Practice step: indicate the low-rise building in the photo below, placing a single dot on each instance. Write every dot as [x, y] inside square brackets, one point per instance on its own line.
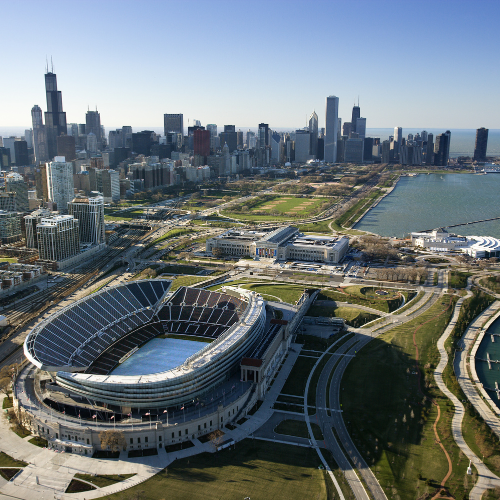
[280, 244]
[440, 240]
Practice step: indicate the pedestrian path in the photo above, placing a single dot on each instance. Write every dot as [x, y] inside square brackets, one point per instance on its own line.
[486, 478]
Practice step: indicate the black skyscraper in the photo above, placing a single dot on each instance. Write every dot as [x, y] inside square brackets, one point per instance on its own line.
[266, 127]
[356, 113]
[481, 144]
[21, 152]
[55, 117]
[442, 149]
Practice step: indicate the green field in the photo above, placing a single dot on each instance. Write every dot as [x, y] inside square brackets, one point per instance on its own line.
[390, 412]
[255, 469]
[10, 260]
[278, 208]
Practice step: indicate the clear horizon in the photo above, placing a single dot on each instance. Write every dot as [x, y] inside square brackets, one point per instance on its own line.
[225, 62]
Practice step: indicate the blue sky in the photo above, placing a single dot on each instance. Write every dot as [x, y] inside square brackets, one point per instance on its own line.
[413, 63]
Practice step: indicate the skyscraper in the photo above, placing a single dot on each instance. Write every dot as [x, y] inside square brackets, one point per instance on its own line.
[14, 183]
[264, 134]
[55, 117]
[173, 123]
[66, 147]
[58, 237]
[201, 142]
[21, 152]
[332, 123]
[61, 189]
[429, 151]
[356, 113]
[481, 144]
[30, 223]
[361, 127]
[313, 130]
[398, 137]
[93, 125]
[90, 215]
[442, 149]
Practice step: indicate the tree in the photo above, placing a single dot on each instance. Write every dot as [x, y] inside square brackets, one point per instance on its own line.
[6, 378]
[114, 440]
[217, 252]
[216, 438]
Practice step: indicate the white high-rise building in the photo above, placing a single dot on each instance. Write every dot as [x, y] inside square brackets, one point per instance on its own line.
[58, 237]
[313, 130]
[39, 135]
[60, 186]
[91, 143]
[332, 124]
[398, 136]
[90, 214]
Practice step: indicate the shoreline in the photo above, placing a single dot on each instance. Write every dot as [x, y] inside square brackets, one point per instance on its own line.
[472, 363]
[375, 203]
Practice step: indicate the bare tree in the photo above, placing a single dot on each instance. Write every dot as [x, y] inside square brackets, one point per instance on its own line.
[216, 438]
[114, 440]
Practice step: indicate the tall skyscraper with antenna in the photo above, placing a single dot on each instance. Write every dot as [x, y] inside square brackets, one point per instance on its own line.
[356, 113]
[55, 117]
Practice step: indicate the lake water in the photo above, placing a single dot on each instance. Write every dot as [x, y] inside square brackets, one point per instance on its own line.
[429, 201]
[486, 376]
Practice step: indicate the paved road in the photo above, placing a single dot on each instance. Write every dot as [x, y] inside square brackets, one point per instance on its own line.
[326, 423]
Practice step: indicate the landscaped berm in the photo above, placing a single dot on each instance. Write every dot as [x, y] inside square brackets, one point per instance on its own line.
[255, 469]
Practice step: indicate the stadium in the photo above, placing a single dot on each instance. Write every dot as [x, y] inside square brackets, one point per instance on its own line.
[162, 367]
[89, 343]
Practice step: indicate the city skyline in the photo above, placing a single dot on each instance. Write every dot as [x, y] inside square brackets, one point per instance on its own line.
[403, 96]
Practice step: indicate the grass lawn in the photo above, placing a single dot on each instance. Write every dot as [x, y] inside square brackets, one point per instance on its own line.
[316, 227]
[8, 461]
[367, 296]
[8, 473]
[389, 418]
[296, 382]
[101, 481]
[11, 260]
[186, 281]
[457, 279]
[78, 486]
[491, 283]
[38, 441]
[7, 402]
[255, 469]
[410, 303]
[298, 428]
[283, 208]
